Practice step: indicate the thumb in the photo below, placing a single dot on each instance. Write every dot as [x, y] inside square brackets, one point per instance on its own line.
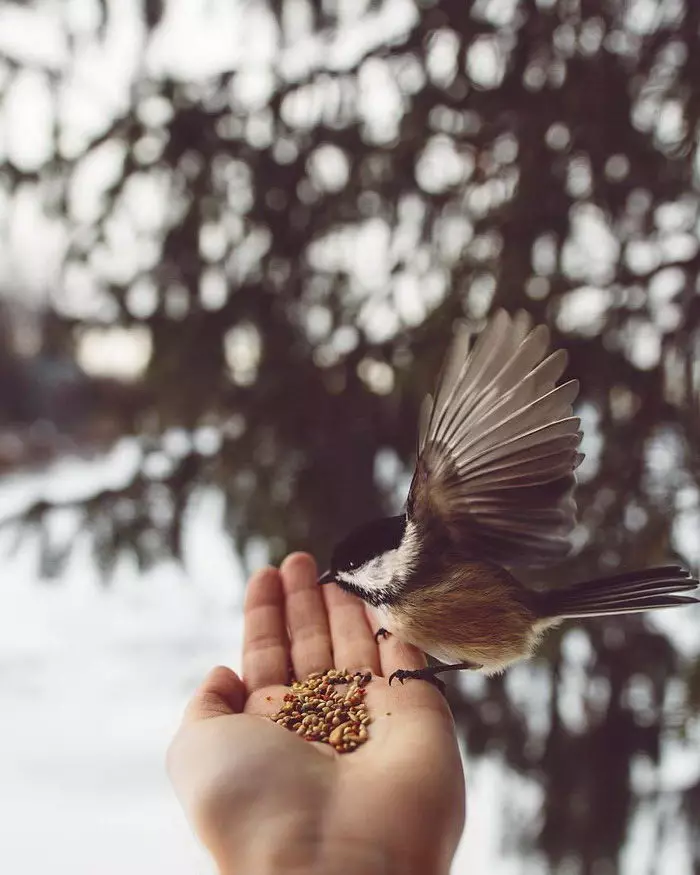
[221, 693]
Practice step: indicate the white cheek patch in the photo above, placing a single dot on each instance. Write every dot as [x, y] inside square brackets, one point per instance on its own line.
[373, 575]
[406, 557]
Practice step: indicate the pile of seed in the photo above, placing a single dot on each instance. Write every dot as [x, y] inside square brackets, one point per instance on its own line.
[319, 709]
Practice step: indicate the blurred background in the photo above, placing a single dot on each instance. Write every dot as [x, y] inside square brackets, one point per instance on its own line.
[234, 238]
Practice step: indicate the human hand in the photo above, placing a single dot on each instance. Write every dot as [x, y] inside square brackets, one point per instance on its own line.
[264, 800]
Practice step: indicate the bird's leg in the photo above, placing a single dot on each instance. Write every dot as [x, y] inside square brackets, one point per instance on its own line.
[381, 633]
[430, 672]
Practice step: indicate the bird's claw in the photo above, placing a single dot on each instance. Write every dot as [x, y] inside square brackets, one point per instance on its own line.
[402, 675]
[430, 673]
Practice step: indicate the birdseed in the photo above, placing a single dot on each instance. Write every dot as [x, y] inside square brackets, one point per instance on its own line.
[317, 709]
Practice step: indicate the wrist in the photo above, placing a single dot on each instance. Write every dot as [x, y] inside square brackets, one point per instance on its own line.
[314, 857]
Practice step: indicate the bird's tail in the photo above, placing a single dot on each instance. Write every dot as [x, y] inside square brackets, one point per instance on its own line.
[627, 593]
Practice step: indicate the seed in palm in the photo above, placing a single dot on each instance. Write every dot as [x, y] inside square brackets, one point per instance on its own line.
[318, 709]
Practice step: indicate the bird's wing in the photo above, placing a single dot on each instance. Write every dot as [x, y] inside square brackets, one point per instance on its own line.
[499, 445]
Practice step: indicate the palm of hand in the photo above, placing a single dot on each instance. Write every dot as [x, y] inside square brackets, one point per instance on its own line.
[400, 795]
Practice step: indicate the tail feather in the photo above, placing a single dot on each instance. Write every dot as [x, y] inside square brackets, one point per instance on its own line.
[631, 592]
[613, 581]
[644, 589]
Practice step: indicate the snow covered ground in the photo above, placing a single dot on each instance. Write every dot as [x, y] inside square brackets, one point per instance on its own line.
[92, 684]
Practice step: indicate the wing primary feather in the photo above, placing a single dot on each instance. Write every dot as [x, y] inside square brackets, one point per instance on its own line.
[457, 359]
[424, 421]
[539, 470]
[553, 406]
[517, 455]
[537, 436]
[466, 409]
[525, 392]
[473, 366]
[498, 444]
[544, 375]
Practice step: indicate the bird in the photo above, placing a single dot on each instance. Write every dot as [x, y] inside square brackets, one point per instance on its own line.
[493, 491]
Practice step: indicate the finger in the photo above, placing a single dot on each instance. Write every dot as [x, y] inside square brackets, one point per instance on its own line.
[307, 620]
[395, 654]
[221, 693]
[354, 646]
[265, 643]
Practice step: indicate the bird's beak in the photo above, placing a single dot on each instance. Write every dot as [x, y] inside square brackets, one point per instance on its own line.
[326, 577]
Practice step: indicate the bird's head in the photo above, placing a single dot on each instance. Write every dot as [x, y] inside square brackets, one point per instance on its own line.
[368, 561]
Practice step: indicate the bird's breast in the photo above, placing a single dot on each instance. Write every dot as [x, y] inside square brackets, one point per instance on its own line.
[473, 612]
[411, 633]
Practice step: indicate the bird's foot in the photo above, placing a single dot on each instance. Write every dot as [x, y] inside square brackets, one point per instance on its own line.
[403, 675]
[430, 673]
[381, 633]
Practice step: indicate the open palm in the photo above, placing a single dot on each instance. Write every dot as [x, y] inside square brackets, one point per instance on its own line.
[257, 792]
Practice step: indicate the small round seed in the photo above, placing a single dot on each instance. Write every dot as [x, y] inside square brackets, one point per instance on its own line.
[317, 710]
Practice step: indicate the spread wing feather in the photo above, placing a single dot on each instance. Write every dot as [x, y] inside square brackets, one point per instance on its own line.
[498, 446]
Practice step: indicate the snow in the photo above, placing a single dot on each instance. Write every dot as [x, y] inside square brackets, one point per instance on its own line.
[93, 680]
[92, 684]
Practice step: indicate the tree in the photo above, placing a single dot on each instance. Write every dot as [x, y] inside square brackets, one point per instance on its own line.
[297, 232]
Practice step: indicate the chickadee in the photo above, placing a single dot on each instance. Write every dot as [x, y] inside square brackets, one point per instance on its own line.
[493, 487]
